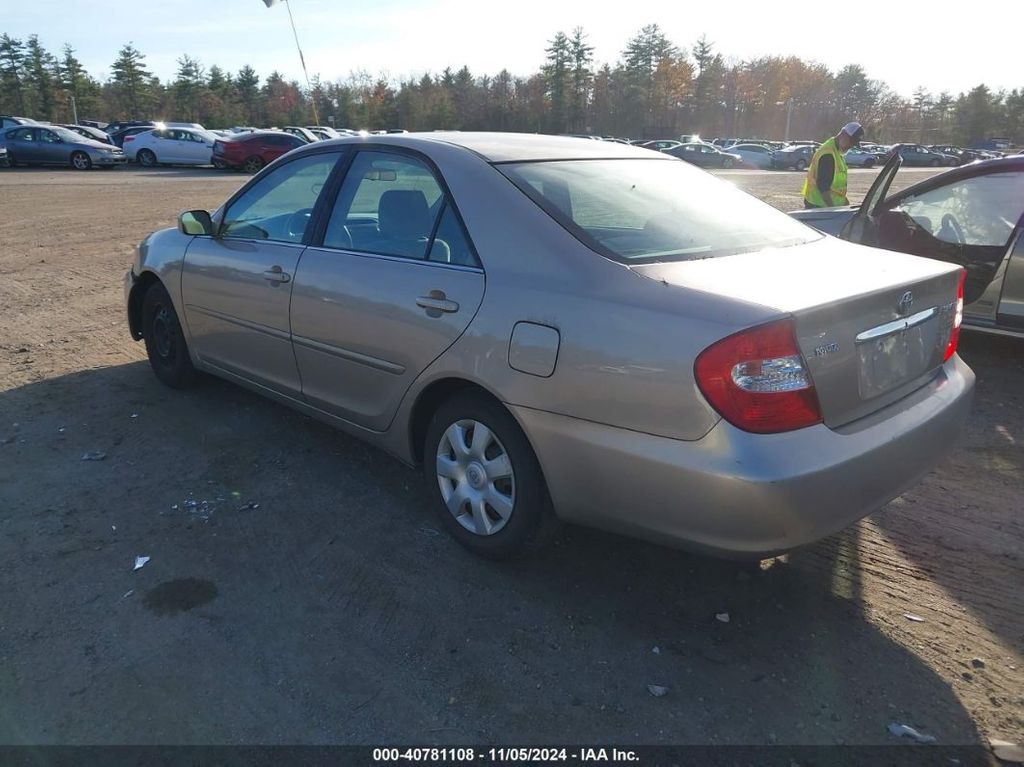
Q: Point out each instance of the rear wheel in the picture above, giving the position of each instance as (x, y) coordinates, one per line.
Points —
(80, 161)
(146, 158)
(934, 163)
(254, 164)
(485, 479)
(165, 342)
(219, 165)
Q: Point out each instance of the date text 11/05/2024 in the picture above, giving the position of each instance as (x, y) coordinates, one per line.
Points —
(503, 755)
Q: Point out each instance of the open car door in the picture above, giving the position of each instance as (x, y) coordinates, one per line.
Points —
(863, 227)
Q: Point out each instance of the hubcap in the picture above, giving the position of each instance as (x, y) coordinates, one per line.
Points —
(475, 476)
(162, 333)
(79, 161)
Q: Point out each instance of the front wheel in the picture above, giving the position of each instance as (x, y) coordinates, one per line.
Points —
(934, 163)
(165, 342)
(81, 161)
(801, 165)
(727, 163)
(146, 158)
(485, 479)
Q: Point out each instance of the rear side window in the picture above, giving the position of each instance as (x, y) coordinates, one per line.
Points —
(643, 211)
(388, 204)
(278, 207)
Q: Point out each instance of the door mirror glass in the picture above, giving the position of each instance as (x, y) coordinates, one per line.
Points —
(195, 222)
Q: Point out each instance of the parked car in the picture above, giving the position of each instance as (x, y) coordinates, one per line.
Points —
(119, 136)
(3, 157)
(120, 125)
(170, 146)
(661, 144)
(304, 133)
(963, 156)
(917, 155)
(9, 121)
(704, 155)
(859, 158)
(251, 151)
(656, 352)
(324, 131)
(754, 155)
(88, 132)
(797, 157)
(970, 216)
(54, 145)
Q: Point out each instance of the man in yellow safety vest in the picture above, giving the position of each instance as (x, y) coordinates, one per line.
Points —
(825, 185)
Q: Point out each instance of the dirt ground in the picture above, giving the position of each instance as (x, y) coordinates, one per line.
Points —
(300, 591)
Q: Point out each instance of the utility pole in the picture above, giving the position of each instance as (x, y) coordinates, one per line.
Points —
(789, 117)
(74, 108)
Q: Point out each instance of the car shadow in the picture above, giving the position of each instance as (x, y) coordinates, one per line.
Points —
(332, 607)
(969, 508)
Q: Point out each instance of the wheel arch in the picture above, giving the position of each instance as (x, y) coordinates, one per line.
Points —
(430, 398)
(138, 291)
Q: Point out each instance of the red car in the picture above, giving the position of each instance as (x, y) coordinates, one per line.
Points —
(251, 151)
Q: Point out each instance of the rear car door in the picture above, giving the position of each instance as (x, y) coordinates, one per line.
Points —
(196, 148)
(392, 284)
(237, 285)
(23, 146)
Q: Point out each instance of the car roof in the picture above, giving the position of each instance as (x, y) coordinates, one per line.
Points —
(961, 172)
(505, 147)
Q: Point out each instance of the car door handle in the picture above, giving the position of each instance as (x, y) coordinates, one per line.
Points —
(276, 275)
(438, 302)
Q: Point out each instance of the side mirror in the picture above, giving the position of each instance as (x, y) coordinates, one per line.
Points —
(195, 222)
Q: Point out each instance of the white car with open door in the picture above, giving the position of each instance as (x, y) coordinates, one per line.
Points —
(171, 146)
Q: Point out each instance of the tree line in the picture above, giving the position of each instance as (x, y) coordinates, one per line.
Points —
(656, 88)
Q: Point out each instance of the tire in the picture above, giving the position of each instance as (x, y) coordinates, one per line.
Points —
(219, 165)
(801, 165)
(496, 468)
(146, 158)
(81, 161)
(253, 165)
(165, 343)
(727, 163)
(934, 163)
(869, 164)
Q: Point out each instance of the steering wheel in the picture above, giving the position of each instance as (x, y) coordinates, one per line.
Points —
(949, 221)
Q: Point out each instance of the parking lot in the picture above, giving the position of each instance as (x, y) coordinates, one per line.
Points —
(299, 589)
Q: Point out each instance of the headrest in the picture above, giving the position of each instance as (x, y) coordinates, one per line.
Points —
(403, 214)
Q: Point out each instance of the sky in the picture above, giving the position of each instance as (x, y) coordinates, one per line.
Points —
(905, 44)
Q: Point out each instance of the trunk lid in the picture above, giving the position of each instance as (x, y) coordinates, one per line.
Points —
(871, 324)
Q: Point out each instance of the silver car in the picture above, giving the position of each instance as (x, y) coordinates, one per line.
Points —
(558, 328)
(54, 145)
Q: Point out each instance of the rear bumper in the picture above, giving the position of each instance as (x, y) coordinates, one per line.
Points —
(733, 493)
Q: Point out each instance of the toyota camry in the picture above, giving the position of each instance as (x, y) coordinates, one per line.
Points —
(564, 329)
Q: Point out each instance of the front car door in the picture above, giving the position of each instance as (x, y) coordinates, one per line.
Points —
(194, 148)
(971, 221)
(237, 285)
(393, 282)
(51, 147)
(23, 146)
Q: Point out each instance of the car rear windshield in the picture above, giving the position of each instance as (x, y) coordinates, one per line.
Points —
(642, 211)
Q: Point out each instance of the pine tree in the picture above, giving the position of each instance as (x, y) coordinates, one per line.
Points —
(12, 75)
(189, 86)
(39, 79)
(581, 56)
(247, 86)
(132, 82)
(556, 74)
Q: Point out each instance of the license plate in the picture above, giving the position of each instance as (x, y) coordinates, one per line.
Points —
(898, 352)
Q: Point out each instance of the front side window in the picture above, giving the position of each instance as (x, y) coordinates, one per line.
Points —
(25, 134)
(642, 211)
(49, 137)
(279, 206)
(388, 204)
(982, 210)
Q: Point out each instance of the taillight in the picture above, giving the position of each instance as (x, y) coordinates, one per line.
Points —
(958, 318)
(128, 138)
(758, 380)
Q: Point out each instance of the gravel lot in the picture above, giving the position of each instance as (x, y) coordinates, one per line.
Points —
(336, 611)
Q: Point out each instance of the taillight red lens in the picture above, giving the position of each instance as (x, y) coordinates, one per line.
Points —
(958, 318)
(758, 380)
(128, 138)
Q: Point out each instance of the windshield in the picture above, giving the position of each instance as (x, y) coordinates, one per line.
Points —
(642, 211)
